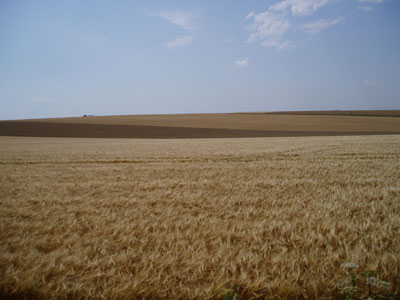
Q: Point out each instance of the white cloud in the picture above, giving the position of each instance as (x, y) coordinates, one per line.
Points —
(267, 24)
(370, 82)
(242, 63)
(283, 5)
(250, 15)
(185, 20)
(270, 28)
(267, 28)
(230, 40)
(182, 41)
(182, 19)
(367, 7)
(318, 26)
(299, 7)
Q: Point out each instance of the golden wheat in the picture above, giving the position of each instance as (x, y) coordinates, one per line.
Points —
(128, 219)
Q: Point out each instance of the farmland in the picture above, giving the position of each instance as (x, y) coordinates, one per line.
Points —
(189, 218)
(239, 125)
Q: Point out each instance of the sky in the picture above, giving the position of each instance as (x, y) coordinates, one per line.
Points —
(69, 58)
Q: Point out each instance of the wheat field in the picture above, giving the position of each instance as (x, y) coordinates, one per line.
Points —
(188, 219)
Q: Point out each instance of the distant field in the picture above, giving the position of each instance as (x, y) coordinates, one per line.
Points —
(188, 219)
(375, 113)
(209, 125)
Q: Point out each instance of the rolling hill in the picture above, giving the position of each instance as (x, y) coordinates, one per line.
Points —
(228, 125)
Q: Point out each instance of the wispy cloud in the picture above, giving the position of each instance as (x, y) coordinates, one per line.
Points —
(267, 25)
(183, 19)
(320, 25)
(370, 82)
(368, 4)
(179, 42)
(279, 45)
(242, 63)
(299, 7)
(273, 27)
(268, 29)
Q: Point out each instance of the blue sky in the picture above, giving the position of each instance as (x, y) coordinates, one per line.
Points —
(69, 58)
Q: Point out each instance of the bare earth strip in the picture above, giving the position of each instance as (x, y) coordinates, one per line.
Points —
(188, 219)
(52, 129)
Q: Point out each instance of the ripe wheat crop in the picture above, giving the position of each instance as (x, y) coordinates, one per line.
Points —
(188, 219)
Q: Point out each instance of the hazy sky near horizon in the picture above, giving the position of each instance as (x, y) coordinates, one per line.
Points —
(69, 58)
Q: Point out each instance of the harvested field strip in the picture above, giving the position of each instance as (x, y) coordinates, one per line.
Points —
(190, 218)
(48, 129)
